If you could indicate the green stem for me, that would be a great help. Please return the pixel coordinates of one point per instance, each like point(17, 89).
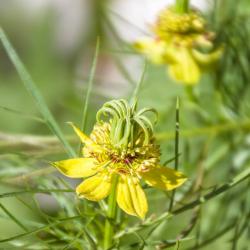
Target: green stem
point(138, 86)
point(89, 89)
point(182, 6)
point(111, 215)
point(176, 162)
point(34, 91)
point(244, 175)
point(207, 131)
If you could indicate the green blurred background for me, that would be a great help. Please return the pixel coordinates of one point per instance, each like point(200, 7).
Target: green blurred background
point(56, 41)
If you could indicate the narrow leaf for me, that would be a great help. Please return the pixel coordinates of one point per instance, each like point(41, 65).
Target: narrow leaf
point(35, 93)
point(13, 217)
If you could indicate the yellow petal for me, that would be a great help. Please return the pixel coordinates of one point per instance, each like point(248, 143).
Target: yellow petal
point(95, 188)
point(152, 48)
point(209, 58)
point(131, 197)
point(186, 69)
point(84, 138)
point(164, 178)
point(203, 42)
point(77, 168)
point(124, 198)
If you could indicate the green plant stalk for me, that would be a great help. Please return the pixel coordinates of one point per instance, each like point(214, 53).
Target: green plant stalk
point(35, 93)
point(207, 130)
point(111, 215)
point(13, 217)
point(120, 44)
point(182, 6)
point(43, 228)
point(22, 114)
point(89, 89)
point(36, 191)
point(138, 86)
point(90, 84)
point(177, 136)
point(244, 175)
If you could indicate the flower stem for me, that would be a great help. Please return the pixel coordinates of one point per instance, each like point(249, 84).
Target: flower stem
point(182, 6)
point(111, 215)
point(177, 133)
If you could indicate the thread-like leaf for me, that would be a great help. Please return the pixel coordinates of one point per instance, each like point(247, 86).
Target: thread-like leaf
point(90, 85)
point(35, 93)
point(11, 216)
point(41, 228)
point(35, 191)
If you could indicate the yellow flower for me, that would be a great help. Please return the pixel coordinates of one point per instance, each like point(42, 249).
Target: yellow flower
point(106, 158)
point(182, 43)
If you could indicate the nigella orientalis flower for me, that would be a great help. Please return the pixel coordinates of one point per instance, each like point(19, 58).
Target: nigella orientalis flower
point(120, 148)
point(182, 42)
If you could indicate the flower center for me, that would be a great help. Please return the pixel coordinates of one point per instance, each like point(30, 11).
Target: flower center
point(125, 141)
point(127, 159)
point(171, 24)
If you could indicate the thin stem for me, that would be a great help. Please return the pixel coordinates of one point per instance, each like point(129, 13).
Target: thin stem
point(111, 215)
point(209, 130)
point(138, 86)
point(34, 91)
point(90, 85)
point(201, 200)
point(182, 6)
point(213, 238)
point(23, 114)
point(11, 216)
point(35, 191)
point(120, 44)
point(177, 132)
point(43, 228)
point(223, 188)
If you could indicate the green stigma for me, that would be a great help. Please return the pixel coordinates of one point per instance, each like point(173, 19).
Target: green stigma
point(127, 124)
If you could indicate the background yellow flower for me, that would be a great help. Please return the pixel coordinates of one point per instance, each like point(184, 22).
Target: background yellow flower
point(103, 162)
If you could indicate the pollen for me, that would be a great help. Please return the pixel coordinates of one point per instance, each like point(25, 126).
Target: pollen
point(121, 149)
point(122, 160)
point(170, 24)
point(183, 43)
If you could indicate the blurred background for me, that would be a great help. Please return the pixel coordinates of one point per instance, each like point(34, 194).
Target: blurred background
point(56, 39)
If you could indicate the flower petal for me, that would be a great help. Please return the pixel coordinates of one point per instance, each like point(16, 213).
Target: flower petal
point(77, 168)
point(91, 145)
point(95, 188)
point(131, 197)
point(209, 58)
point(84, 138)
point(164, 178)
point(185, 69)
point(124, 198)
point(152, 48)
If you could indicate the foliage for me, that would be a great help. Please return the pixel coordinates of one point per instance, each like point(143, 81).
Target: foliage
point(212, 145)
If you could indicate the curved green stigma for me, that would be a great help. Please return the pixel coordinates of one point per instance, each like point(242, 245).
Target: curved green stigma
point(126, 123)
